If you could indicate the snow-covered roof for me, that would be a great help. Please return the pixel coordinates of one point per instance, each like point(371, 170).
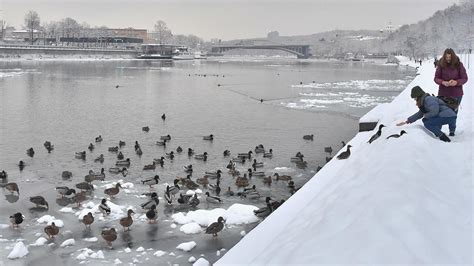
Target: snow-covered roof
point(404, 201)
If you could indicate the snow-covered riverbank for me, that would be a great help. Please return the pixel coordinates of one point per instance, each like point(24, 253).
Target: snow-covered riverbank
point(406, 200)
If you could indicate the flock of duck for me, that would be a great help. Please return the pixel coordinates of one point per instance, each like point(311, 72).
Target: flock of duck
point(173, 193)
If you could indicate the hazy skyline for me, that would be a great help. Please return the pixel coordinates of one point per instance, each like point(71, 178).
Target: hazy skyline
point(229, 19)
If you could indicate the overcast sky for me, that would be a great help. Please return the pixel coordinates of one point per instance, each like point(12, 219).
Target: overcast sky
point(229, 19)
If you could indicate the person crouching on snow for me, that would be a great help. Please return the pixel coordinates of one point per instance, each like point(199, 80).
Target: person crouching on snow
point(435, 113)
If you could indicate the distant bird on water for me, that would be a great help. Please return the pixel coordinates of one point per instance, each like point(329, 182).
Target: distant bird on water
point(345, 154)
point(163, 117)
point(117, 86)
point(397, 135)
point(376, 135)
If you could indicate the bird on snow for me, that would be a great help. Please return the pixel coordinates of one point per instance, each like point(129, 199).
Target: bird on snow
point(376, 135)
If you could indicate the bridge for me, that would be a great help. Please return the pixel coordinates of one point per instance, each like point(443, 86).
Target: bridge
point(301, 51)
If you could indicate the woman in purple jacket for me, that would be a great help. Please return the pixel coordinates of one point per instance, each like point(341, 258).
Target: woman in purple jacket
point(450, 76)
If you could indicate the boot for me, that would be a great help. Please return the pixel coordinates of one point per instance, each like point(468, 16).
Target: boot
point(444, 138)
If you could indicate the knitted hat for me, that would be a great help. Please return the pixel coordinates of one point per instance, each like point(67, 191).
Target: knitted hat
point(417, 92)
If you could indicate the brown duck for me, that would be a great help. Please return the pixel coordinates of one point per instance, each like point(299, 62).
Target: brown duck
point(109, 236)
point(215, 227)
point(242, 181)
point(12, 187)
point(113, 190)
point(87, 220)
point(51, 230)
point(282, 177)
point(126, 222)
point(40, 202)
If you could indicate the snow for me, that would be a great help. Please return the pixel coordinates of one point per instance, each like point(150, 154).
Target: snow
point(140, 249)
point(89, 253)
point(66, 210)
point(173, 226)
point(283, 169)
point(49, 220)
point(68, 242)
point(18, 251)
point(91, 239)
point(186, 246)
point(127, 250)
point(117, 261)
point(116, 211)
point(159, 253)
point(191, 259)
point(234, 215)
point(39, 242)
point(396, 201)
point(191, 228)
point(243, 233)
point(4, 226)
point(201, 262)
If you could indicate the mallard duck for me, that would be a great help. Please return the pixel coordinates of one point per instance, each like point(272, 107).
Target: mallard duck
point(268, 154)
point(51, 230)
point(213, 174)
point(146, 129)
point(113, 190)
point(242, 181)
point(238, 160)
point(151, 214)
point(137, 146)
point(203, 180)
point(90, 177)
point(30, 152)
point(201, 156)
point(215, 227)
point(226, 153)
point(175, 188)
point(126, 222)
point(250, 189)
point(302, 164)
point(167, 195)
point(190, 184)
point(256, 164)
point(229, 192)
point(163, 117)
point(210, 137)
point(12, 187)
point(124, 172)
point(259, 149)
point(99, 159)
point(39, 201)
point(292, 188)
point(99, 176)
point(188, 168)
point(345, 154)
point(161, 143)
point(318, 168)
point(91, 147)
point(282, 177)
point(179, 149)
point(308, 137)
point(139, 152)
point(376, 135)
point(183, 199)
point(343, 144)
point(16, 219)
point(253, 173)
point(125, 162)
point(397, 135)
point(21, 165)
point(98, 139)
point(160, 161)
point(194, 201)
point(152, 181)
point(81, 155)
point(190, 152)
point(212, 199)
point(170, 155)
point(154, 201)
point(66, 175)
point(121, 143)
point(49, 147)
point(109, 236)
point(247, 155)
point(3, 175)
point(328, 150)
point(216, 188)
point(65, 191)
point(115, 170)
point(104, 208)
point(87, 220)
point(78, 198)
point(296, 159)
point(267, 180)
point(150, 166)
point(120, 156)
point(264, 211)
point(167, 137)
point(85, 186)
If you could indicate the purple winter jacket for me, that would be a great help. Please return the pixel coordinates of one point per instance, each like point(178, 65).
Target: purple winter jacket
point(447, 74)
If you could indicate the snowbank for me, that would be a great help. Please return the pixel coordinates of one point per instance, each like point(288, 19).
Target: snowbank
point(234, 215)
point(403, 201)
point(18, 251)
point(49, 220)
point(186, 246)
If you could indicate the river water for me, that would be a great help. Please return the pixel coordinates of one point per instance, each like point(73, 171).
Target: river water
point(71, 102)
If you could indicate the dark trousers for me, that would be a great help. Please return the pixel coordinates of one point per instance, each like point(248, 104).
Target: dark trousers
point(434, 124)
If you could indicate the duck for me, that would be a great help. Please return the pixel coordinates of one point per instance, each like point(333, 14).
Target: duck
point(167, 137)
point(242, 181)
point(253, 173)
point(302, 164)
point(376, 135)
point(161, 143)
point(78, 198)
point(179, 149)
point(160, 161)
point(229, 192)
point(139, 152)
point(98, 139)
point(126, 222)
point(183, 199)
point(247, 155)
point(259, 149)
point(113, 149)
point(30, 152)
point(163, 117)
point(91, 147)
point(104, 208)
point(170, 155)
point(296, 159)
point(125, 162)
point(194, 201)
point(282, 177)
point(308, 137)
point(213, 174)
point(85, 186)
point(115, 170)
point(397, 135)
point(39, 201)
point(66, 175)
point(268, 154)
point(81, 155)
point(99, 159)
point(230, 165)
point(256, 164)
point(49, 147)
point(167, 195)
point(12, 187)
point(87, 220)
point(175, 188)
point(212, 199)
point(16, 219)
point(113, 190)
point(146, 129)
point(190, 184)
point(190, 152)
point(238, 160)
point(215, 227)
point(3, 175)
point(65, 191)
point(318, 168)
point(51, 230)
point(328, 150)
point(154, 201)
point(226, 153)
point(210, 137)
point(90, 177)
point(152, 181)
point(264, 211)
point(151, 214)
point(345, 154)
point(328, 159)
point(99, 176)
point(343, 144)
point(201, 156)
point(150, 166)
point(109, 236)
point(121, 143)
point(252, 195)
point(291, 187)
point(267, 180)
point(120, 156)
point(203, 180)
point(21, 165)
point(188, 168)
point(216, 187)
point(137, 146)
point(299, 155)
